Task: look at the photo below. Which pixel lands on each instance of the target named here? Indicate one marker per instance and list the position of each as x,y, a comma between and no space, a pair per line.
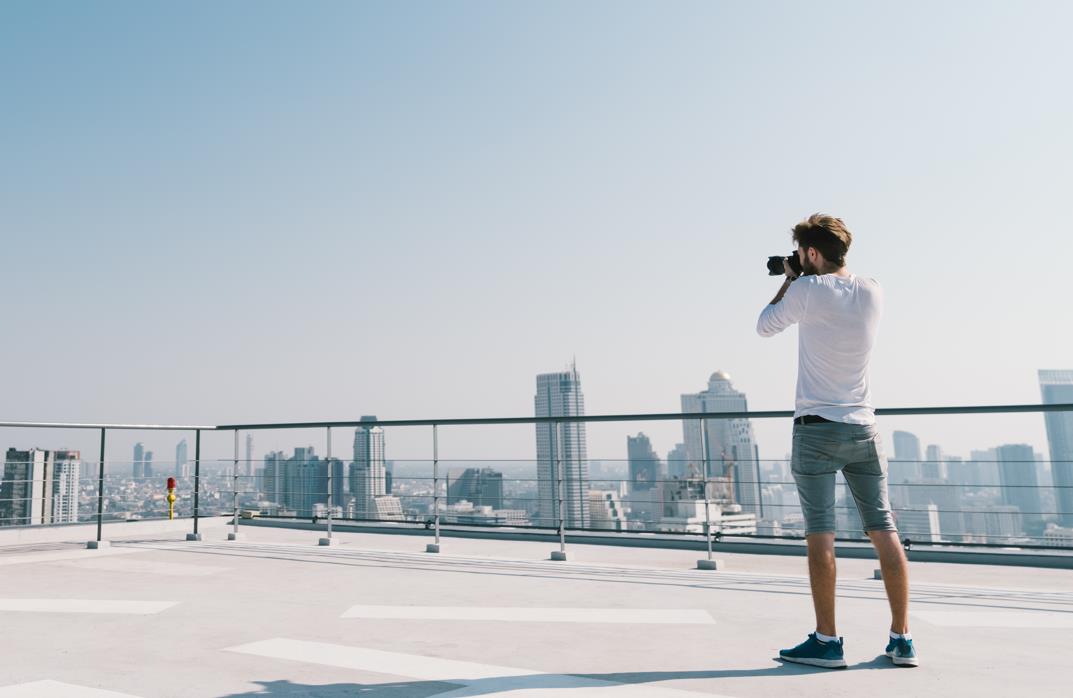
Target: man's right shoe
902,652
816,653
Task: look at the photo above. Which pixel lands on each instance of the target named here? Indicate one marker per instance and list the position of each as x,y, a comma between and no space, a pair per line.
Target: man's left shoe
902,652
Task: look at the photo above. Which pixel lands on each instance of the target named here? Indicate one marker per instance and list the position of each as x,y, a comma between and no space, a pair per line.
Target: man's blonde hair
827,235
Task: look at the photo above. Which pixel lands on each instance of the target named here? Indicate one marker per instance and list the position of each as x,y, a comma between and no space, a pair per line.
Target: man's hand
790,276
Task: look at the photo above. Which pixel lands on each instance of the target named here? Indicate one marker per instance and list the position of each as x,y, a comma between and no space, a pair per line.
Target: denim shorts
822,449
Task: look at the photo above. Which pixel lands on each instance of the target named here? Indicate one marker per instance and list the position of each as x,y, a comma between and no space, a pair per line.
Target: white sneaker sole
826,663
903,661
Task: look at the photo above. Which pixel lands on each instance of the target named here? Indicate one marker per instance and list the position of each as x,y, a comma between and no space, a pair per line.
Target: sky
269,211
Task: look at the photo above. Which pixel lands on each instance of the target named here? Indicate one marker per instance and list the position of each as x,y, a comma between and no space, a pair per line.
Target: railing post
328,461
435,547
560,554
95,544
197,484
234,487
708,563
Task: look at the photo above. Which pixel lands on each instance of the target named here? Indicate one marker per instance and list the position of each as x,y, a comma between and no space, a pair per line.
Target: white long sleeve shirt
838,318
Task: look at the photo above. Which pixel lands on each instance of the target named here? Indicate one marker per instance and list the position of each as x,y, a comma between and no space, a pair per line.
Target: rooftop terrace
275,614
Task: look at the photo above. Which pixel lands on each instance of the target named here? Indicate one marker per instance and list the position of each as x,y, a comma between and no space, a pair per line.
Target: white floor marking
56,689
75,554
476,679
140,608
996,619
395,663
680,616
172,569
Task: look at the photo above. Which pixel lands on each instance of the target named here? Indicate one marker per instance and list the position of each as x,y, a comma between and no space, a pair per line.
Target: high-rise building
247,468
905,466
933,466
138,468
606,510
39,487
182,461
1057,388
368,471
732,450
306,478
644,465
1020,488
274,477
561,450
478,486
147,465
677,462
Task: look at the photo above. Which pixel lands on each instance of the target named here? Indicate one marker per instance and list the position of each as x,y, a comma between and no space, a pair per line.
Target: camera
774,264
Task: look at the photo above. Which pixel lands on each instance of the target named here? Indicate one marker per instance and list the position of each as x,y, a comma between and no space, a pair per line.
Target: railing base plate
98,544
432,548
558,556
710,565
328,541
193,536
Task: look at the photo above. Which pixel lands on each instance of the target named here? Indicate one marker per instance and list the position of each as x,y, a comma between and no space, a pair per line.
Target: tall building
933,466
905,466
368,471
561,451
677,462
306,478
644,464
274,477
147,465
1057,388
182,461
478,486
39,487
1020,488
732,450
138,468
247,468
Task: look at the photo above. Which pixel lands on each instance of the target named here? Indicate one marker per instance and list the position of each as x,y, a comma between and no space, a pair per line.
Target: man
834,428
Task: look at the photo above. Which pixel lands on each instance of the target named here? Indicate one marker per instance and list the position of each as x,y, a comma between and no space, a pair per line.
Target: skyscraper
368,471
644,464
247,468
138,469
1057,388
182,460
1020,488
732,450
39,487
906,462
561,451
147,465
677,462
645,496
478,486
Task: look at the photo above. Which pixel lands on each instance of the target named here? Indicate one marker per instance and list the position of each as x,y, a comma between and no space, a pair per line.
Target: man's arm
785,309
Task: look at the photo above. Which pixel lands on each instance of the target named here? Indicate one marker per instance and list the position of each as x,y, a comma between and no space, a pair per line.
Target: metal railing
564,507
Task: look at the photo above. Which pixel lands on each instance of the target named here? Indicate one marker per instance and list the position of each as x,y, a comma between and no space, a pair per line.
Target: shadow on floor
479,687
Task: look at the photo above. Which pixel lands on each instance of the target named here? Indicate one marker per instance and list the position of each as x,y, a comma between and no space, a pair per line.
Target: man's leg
895,577
822,573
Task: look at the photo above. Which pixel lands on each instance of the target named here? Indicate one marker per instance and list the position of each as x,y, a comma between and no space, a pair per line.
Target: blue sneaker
816,653
902,652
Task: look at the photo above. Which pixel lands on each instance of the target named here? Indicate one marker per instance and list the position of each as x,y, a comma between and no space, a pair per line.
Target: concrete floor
264,616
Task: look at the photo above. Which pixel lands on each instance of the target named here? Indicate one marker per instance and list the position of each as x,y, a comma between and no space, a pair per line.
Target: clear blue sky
260,211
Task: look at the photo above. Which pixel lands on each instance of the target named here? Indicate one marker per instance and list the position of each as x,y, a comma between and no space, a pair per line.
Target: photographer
834,426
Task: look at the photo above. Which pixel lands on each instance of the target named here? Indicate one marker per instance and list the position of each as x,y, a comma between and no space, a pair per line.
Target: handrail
642,417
